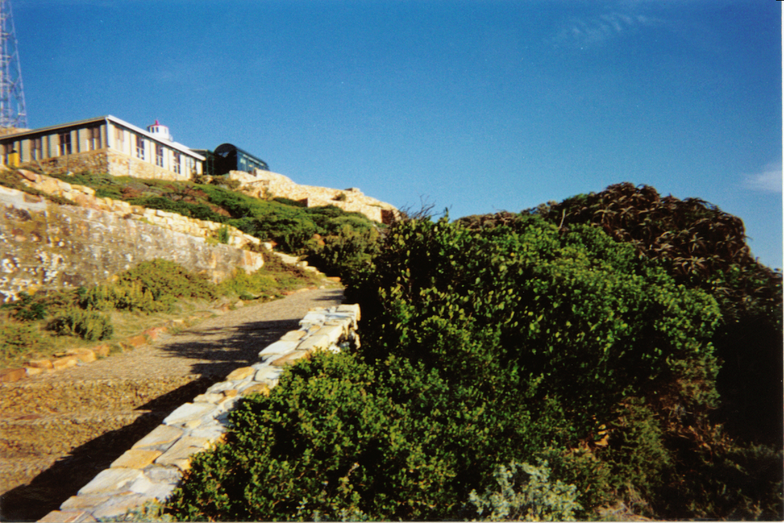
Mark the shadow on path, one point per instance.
(237, 347)
(222, 349)
(52, 487)
(226, 348)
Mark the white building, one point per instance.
(103, 145)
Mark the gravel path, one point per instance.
(216, 346)
(57, 431)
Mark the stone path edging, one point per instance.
(82, 356)
(153, 467)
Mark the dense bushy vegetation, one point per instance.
(86, 324)
(345, 251)
(270, 282)
(703, 247)
(148, 287)
(489, 346)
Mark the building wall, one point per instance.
(107, 161)
(101, 146)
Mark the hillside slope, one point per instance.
(269, 184)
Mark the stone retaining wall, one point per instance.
(85, 197)
(48, 246)
(153, 467)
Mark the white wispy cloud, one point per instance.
(767, 180)
(599, 29)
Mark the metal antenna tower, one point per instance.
(12, 105)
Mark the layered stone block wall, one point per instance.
(85, 197)
(48, 246)
(264, 184)
(153, 467)
(108, 161)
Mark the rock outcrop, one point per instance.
(266, 184)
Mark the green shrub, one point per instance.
(17, 339)
(571, 316)
(151, 286)
(267, 282)
(288, 223)
(37, 307)
(578, 310)
(28, 308)
(702, 247)
(88, 325)
(637, 456)
(525, 493)
(223, 235)
(166, 280)
(128, 295)
(345, 252)
(508, 344)
(105, 185)
(199, 211)
(241, 284)
(335, 444)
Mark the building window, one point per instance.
(65, 143)
(191, 165)
(119, 137)
(94, 138)
(140, 147)
(158, 155)
(176, 162)
(36, 149)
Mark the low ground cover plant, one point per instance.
(88, 325)
(269, 283)
(485, 345)
(150, 286)
(43, 324)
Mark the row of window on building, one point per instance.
(33, 148)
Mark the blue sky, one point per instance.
(476, 105)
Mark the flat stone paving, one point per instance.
(56, 462)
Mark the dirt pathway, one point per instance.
(57, 431)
